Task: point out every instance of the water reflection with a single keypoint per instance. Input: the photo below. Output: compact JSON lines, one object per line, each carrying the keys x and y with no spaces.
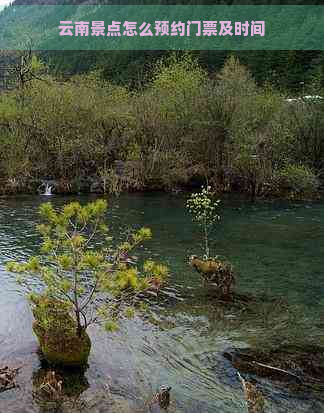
{"x":59,"y":390}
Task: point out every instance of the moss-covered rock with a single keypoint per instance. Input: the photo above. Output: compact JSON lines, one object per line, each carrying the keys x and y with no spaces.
{"x":56,"y":331}
{"x":216,"y":273}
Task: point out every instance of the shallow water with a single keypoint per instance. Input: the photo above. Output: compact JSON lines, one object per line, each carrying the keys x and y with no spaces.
{"x":277,"y":249}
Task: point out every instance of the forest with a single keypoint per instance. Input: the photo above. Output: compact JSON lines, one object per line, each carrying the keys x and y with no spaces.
{"x":183,"y":126}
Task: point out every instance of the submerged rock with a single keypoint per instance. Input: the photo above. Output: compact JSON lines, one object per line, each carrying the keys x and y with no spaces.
{"x":57,"y":334}
{"x":7,"y":378}
{"x":291,"y":364}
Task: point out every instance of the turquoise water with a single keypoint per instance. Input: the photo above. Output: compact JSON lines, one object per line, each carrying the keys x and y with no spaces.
{"x":277,"y":249}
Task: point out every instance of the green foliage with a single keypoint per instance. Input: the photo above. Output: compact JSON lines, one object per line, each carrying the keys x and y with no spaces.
{"x":178,"y":76}
{"x":203,"y":208}
{"x":84,"y":116}
{"x":82,"y":269}
{"x":182,"y":127}
{"x":297,"y":180}
{"x":307,"y":125}
{"x":36,"y":64}
{"x":283,"y":68}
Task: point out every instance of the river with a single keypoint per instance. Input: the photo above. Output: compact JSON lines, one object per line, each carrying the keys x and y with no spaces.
{"x":277,"y":248}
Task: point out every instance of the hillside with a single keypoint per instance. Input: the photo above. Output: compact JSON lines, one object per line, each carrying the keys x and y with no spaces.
{"x":284,"y":69}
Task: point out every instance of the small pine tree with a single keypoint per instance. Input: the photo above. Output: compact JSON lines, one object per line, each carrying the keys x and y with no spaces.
{"x":81,"y":268}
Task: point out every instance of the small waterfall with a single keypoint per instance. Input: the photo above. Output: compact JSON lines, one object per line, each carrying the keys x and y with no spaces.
{"x":48,"y":190}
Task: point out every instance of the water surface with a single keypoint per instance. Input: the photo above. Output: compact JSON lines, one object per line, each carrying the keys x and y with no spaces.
{"x":277,"y":249}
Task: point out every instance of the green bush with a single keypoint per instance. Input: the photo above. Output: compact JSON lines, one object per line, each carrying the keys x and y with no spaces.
{"x":298,"y":180}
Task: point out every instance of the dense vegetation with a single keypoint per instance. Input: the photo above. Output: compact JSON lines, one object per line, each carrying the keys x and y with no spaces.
{"x":183,"y":127}
{"x":172,"y":119}
{"x":285,"y":69}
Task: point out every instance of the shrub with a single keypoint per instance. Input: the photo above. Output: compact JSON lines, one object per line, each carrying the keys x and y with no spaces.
{"x":203,"y":209}
{"x":297,"y":180}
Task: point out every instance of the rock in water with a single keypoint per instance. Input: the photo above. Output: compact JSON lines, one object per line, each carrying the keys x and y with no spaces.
{"x":215,"y":272}
{"x":56,"y":331}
